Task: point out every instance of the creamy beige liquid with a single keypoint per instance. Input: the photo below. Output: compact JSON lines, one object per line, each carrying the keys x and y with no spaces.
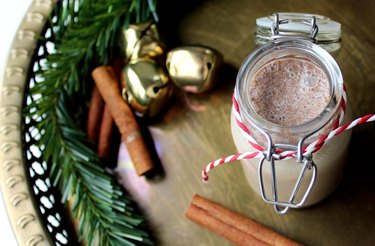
{"x":291,"y":92}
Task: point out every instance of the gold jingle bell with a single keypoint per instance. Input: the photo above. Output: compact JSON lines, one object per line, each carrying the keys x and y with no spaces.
{"x":193,"y":68}
{"x":142,"y":40}
{"x":147,"y":87}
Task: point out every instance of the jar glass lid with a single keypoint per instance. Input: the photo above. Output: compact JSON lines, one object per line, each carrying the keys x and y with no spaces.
{"x":328,"y":35}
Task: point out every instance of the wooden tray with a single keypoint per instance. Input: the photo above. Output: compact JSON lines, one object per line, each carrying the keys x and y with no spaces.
{"x":196,"y":130}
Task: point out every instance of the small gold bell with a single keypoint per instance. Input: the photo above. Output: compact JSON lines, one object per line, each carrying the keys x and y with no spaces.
{"x":147,"y":87}
{"x":193,"y":68}
{"x":142,"y":40}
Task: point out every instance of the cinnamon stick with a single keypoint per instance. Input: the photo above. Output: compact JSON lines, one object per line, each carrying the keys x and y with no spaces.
{"x":94,"y":115}
{"x":117,"y":65}
{"x":105,"y":80}
{"x":105,"y":134}
{"x":232,"y":225}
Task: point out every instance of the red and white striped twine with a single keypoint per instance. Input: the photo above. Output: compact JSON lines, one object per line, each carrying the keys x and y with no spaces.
{"x":279,"y":155}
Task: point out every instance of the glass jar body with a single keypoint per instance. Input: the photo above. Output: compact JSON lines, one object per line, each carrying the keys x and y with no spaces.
{"x":330,"y":161}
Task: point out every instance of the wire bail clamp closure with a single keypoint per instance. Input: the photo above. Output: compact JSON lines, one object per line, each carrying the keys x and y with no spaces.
{"x":275,"y":28}
{"x":281,"y":207}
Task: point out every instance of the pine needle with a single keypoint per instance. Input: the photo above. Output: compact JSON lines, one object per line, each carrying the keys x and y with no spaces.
{"x":84,"y":34}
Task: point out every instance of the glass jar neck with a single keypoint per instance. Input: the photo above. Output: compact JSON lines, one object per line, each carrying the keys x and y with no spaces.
{"x":297,"y":49}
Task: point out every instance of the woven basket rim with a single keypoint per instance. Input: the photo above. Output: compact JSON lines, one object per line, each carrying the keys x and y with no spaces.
{"x":22,"y":211}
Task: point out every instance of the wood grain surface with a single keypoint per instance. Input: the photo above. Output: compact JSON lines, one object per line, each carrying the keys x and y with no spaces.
{"x":195,"y":130}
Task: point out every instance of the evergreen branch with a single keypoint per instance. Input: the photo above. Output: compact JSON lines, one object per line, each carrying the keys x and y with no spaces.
{"x":85,"y":32}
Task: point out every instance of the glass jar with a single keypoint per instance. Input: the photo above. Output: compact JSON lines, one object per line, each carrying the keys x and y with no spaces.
{"x":280,"y":117}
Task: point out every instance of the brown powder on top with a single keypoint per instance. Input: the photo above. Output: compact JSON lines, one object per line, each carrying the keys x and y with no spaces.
{"x":289,"y":91}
